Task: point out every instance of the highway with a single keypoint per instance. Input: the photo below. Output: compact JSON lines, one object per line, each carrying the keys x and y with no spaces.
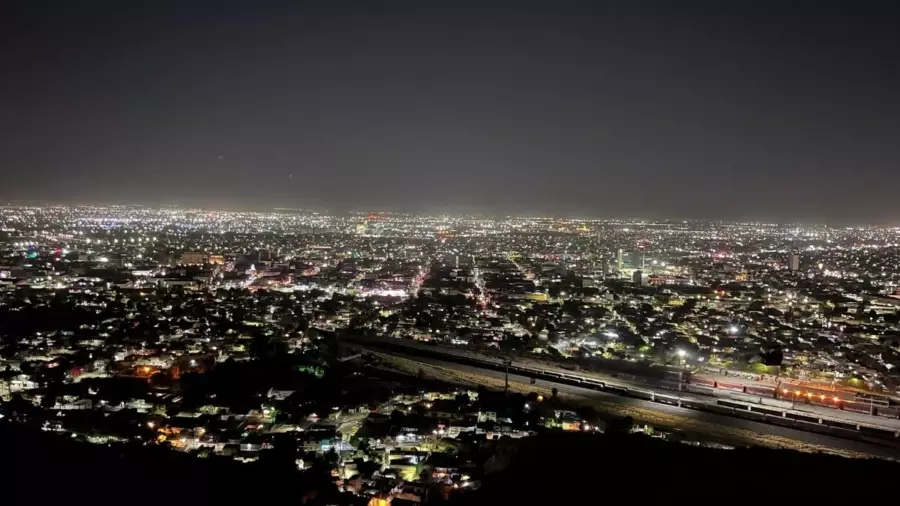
{"x":699,"y":395}
{"x":876,"y":450}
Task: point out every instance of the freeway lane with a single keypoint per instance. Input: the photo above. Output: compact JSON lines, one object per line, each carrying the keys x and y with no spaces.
{"x":438,"y":351}
{"x":710,"y":418}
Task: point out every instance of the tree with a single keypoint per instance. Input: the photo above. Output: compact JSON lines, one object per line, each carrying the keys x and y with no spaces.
{"x":587,"y":412}
{"x":756,"y":305}
{"x":332,"y":458}
{"x":771,"y":356}
{"x":861,"y":309}
{"x":760,"y":368}
{"x":48,"y":401}
{"x":368,"y":467}
{"x":620,"y":426}
{"x":282,"y":457}
{"x":259,"y":345}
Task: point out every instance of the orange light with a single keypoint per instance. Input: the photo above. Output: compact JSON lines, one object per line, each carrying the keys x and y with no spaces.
{"x":809,"y":394}
{"x":797,"y":392}
{"x":784,"y":390}
{"x":836,"y":399}
{"x":823,"y":397}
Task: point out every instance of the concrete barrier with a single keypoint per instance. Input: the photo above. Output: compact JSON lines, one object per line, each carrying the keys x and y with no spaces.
{"x":777,"y":403}
{"x":667,"y":399}
{"x":699,"y":389}
{"x":750,"y":399}
{"x":733,"y":404}
{"x":767,"y":411}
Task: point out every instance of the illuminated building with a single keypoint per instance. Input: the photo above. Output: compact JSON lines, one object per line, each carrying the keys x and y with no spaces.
{"x":639,"y":278}
{"x":794,"y":262}
{"x":193,"y":258}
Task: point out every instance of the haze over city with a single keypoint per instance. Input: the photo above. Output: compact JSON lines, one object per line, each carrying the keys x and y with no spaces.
{"x":766,"y":109}
{"x":449,"y":252}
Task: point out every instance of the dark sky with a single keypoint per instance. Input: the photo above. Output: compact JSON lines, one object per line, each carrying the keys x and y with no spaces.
{"x":725,"y":108}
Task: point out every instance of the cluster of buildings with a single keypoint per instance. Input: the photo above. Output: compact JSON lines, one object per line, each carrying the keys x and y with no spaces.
{"x":94,"y":298}
{"x":825,"y":298}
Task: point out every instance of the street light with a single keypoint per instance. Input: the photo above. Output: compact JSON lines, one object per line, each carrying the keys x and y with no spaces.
{"x":681,"y":353}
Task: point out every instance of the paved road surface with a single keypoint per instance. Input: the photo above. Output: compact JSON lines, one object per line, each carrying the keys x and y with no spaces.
{"x":849,"y":416}
{"x":760,"y":428}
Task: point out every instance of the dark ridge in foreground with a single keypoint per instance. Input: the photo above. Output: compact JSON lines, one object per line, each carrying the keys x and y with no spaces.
{"x":45,"y":468}
{"x":562,"y":468}
{"x":573,"y":468}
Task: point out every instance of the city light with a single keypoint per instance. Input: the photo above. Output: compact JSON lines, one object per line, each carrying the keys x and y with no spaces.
{"x":217,"y":291}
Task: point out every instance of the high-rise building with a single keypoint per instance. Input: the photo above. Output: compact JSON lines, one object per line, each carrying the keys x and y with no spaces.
{"x":639,"y":278}
{"x":794,"y":262}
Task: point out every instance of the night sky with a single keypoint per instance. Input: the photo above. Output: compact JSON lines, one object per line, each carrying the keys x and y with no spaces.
{"x":782,"y":110}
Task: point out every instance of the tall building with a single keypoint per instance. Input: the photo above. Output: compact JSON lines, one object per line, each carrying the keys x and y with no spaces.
{"x":639,"y":278}
{"x":794,"y":262}
{"x":604,"y":267}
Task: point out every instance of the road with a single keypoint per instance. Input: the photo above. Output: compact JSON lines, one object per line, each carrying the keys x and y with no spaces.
{"x":810,"y":438}
{"x":641,"y":382}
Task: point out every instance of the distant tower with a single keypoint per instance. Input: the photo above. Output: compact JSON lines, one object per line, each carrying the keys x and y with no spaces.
{"x":639,"y":278}
{"x":619,"y":254}
{"x":456,"y":263}
{"x":794,"y":262}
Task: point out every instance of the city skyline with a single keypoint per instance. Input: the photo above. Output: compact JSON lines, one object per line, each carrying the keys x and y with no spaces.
{"x":474,"y":214}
